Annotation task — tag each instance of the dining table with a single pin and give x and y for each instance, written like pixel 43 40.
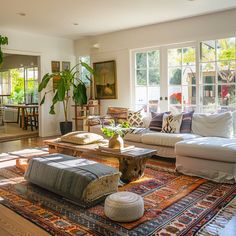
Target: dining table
pixel 21 110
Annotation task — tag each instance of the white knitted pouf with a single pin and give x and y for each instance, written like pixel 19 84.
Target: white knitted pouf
pixel 124 206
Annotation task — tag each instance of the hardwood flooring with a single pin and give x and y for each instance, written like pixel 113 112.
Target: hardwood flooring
pixel 13 224
pixel 12 131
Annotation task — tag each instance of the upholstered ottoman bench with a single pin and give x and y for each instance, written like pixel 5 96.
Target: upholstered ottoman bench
pixel 82 181
pixel 209 157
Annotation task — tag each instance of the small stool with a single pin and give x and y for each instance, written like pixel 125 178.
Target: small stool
pixel 124 206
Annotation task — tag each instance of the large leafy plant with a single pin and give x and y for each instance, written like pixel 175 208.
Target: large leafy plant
pixel 67 79
pixel 3 41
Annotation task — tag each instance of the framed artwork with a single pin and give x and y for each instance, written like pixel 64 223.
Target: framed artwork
pixel 105 80
pixel 55 66
pixel 65 65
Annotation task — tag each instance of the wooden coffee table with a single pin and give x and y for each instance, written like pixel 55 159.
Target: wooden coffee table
pixel 131 163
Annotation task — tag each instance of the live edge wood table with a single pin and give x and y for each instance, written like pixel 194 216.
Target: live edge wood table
pixel 131 163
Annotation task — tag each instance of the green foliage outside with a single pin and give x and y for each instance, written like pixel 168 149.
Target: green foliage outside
pixel 17 87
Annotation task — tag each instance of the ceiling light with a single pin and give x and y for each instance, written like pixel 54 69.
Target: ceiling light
pixel 21 14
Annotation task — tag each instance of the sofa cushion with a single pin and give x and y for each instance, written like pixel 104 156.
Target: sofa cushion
pixel 135 118
pixel 156 122
pixel 81 137
pixel 171 123
pixel 186 125
pixel 135 134
pixel 210 148
pixel 165 139
pixel 213 125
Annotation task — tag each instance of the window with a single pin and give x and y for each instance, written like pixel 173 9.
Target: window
pixel 182 79
pixel 31 85
pixel 217 74
pixel 147 80
pixel 83 72
pixel 193 77
pixel 5 84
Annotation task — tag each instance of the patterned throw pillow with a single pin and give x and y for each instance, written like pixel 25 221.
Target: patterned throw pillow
pixel 135 118
pixel 171 123
pixel 156 122
pixel 186 126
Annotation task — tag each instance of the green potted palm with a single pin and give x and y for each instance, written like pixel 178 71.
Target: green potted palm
pixel 67 79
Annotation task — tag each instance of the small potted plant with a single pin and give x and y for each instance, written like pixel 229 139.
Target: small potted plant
pixel 67 79
pixel 116 134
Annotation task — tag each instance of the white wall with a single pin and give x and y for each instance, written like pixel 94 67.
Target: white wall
pixel 49 49
pixel 117 45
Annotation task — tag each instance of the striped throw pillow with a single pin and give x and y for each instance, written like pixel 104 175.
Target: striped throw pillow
pixel 156 122
pixel 186 126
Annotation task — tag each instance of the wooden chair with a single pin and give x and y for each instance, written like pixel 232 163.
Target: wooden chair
pixel 31 118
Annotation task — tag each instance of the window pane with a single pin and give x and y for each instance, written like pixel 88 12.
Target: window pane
pixel 153 59
pixel 208 51
pixel 226 72
pixel 154 77
pixel 153 98
pixel 174 57
pixel 208 92
pixel 175 75
pixel 175 95
pixel 153 93
pixel 189 56
pixel 189 108
pixel 141 77
pixel 208 73
pixel 226 49
pixel 227 95
pixel 175 109
pixel 189 75
pixel 141 60
pixel 141 95
pixel 189 95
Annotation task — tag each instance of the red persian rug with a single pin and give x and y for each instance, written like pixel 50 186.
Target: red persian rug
pixel 175 204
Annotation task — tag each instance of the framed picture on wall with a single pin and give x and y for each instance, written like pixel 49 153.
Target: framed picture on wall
pixel 105 80
pixel 55 66
pixel 65 65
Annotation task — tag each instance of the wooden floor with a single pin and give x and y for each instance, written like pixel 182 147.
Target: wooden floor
pixel 13 224
pixel 12 131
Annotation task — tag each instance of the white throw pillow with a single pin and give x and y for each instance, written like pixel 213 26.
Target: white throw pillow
pixel 81 137
pixel 171 123
pixel 213 125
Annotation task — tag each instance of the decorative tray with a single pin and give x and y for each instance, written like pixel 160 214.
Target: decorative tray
pixel 105 148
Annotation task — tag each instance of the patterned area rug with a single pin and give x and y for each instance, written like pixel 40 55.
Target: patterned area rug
pixel 174 205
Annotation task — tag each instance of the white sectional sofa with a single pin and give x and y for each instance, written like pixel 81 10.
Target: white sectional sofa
pixel 209 151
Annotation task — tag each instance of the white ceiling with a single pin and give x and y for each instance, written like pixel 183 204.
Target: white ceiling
pixel 57 17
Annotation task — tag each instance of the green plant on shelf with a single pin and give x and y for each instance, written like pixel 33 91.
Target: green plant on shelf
pixel 120 129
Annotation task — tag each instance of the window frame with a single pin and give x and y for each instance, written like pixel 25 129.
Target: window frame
pixel 133 75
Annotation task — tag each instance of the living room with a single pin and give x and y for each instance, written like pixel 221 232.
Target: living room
pixel 166 56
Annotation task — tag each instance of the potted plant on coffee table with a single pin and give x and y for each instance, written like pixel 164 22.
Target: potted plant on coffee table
pixel 67 80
